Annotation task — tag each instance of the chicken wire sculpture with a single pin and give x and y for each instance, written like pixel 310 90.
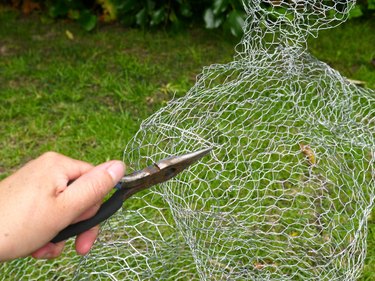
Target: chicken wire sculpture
pixel 287 189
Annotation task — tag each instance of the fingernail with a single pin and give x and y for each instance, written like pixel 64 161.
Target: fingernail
pixel 116 170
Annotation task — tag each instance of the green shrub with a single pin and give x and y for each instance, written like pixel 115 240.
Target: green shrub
pixel 175 14
pixel 363 8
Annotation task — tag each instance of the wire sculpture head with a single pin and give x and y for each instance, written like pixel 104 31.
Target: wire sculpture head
pixel 290 22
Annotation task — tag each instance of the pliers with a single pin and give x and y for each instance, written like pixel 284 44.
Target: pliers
pixel 133 183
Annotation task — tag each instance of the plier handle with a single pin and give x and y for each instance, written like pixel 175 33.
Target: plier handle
pixel 130 184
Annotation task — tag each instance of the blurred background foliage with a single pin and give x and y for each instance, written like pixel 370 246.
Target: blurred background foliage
pixel 173 14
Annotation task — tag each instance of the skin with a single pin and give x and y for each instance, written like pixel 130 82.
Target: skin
pixel 46 195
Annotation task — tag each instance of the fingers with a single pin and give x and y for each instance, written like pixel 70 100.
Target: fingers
pixel 52 167
pixel 107 175
pixel 81 199
pixel 83 244
pixel 87 213
pixel 72 168
pixel 85 240
pixel 48 203
pixel 68 169
pixel 89 189
pixel 49 251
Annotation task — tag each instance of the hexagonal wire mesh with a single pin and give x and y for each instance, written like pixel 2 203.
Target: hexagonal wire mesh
pixel 290 182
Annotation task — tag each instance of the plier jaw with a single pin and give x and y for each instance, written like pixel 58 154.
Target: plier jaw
pixel 130 184
pixel 158 172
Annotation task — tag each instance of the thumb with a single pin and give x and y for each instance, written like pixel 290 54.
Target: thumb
pixel 91 187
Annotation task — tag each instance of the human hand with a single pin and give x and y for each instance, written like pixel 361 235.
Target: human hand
pixel 37 202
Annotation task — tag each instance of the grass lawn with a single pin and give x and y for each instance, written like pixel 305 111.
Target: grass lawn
pixel 85 95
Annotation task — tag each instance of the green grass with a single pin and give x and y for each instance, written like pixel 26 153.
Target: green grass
pixel 86 97
pixel 349 48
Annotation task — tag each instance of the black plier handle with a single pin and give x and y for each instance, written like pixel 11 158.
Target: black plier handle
pixel 131 184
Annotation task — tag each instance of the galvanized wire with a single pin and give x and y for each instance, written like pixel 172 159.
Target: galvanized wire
pixel 287 190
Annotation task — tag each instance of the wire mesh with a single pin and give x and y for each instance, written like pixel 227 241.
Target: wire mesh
pixel 287 190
